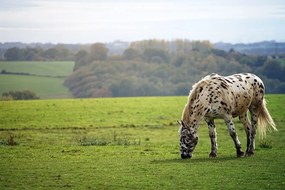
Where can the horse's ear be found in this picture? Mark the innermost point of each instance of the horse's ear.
(181, 123)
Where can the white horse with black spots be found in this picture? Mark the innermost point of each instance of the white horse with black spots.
(228, 97)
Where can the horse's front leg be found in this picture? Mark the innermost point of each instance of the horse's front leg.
(213, 137)
(233, 134)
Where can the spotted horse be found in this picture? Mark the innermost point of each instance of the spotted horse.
(216, 96)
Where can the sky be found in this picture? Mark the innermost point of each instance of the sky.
(89, 21)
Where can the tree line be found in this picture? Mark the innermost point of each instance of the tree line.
(57, 53)
(160, 67)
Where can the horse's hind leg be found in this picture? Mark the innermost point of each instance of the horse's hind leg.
(248, 128)
(251, 146)
(213, 137)
(233, 134)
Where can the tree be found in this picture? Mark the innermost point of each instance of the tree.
(98, 51)
(131, 54)
(81, 58)
(51, 53)
(273, 69)
(156, 55)
(14, 54)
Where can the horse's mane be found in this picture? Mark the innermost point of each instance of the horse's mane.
(193, 95)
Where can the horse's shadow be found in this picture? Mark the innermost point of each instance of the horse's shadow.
(196, 160)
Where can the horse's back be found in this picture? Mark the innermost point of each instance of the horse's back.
(232, 95)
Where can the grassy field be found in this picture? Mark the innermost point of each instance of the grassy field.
(45, 79)
(51, 68)
(127, 143)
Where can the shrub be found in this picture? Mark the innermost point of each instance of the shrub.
(10, 141)
(19, 95)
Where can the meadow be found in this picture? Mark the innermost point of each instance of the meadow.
(44, 78)
(127, 143)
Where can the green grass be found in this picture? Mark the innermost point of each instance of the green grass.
(51, 68)
(127, 143)
(45, 87)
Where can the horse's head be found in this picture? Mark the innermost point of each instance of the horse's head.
(188, 139)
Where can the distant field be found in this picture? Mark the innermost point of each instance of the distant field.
(128, 143)
(45, 87)
(52, 68)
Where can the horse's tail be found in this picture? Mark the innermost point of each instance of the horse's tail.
(264, 119)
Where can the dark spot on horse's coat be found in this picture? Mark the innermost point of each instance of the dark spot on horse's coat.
(261, 86)
(261, 91)
(201, 88)
(223, 103)
(228, 81)
(224, 85)
(255, 80)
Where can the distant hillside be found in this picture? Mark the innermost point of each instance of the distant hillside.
(258, 48)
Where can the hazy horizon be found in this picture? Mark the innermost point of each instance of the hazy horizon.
(87, 21)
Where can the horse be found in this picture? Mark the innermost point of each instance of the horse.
(225, 97)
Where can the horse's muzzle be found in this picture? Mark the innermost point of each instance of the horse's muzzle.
(186, 156)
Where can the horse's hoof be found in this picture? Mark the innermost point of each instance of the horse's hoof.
(249, 154)
(240, 154)
(212, 155)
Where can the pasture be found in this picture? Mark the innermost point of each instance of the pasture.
(127, 143)
(44, 78)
